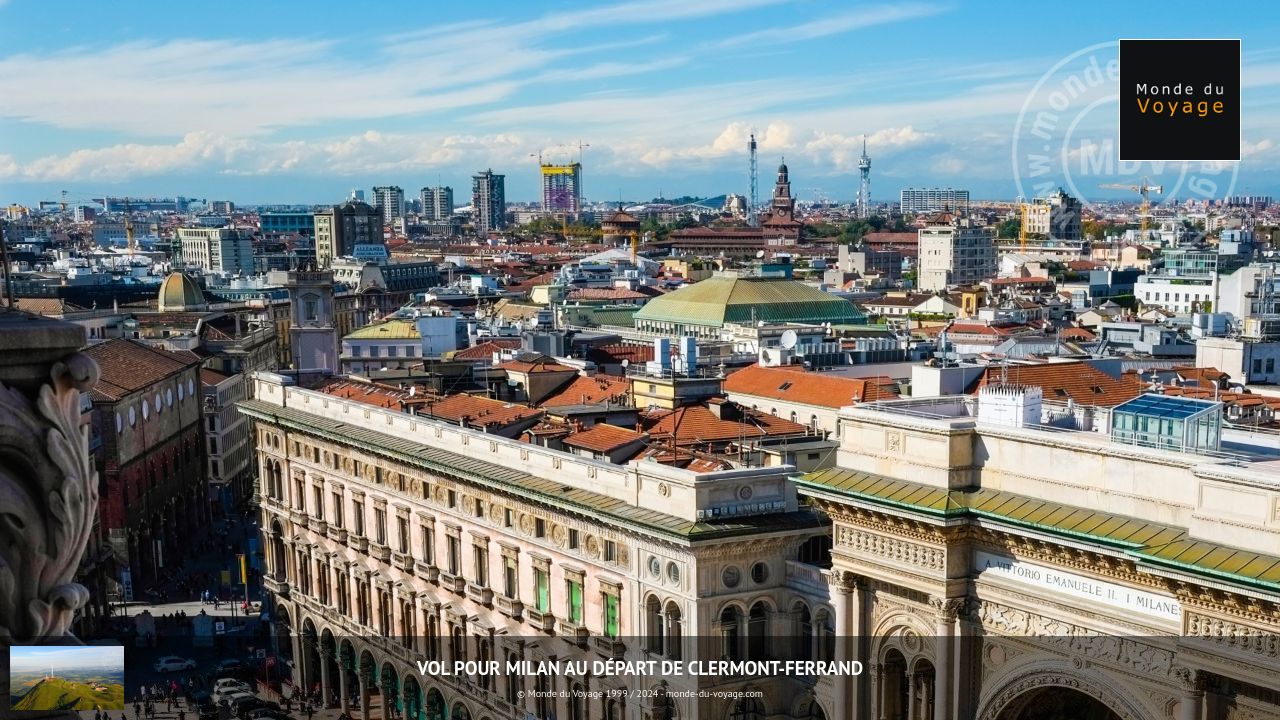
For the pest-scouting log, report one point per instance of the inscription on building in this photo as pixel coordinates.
(1066, 583)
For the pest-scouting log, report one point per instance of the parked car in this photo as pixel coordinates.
(269, 713)
(173, 663)
(228, 682)
(230, 695)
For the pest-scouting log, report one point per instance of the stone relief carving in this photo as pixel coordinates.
(48, 499)
(1232, 635)
(1075, 641)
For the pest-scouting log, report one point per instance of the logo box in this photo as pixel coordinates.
(1180, 100)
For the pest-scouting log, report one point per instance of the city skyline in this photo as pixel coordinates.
(278, 107)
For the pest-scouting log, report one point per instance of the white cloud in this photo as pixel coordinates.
(858, 19)
(231, 87)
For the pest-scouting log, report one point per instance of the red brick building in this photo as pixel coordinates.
(151, 461)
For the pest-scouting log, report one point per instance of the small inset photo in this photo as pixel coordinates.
(62, 677)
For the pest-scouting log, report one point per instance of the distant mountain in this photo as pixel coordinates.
(61, 694)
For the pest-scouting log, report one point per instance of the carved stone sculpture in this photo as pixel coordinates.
(48, 484)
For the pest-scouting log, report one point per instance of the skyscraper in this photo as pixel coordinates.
(437, 202)
(341, 228)
(389, 199)
(489, 201)
(562, 188)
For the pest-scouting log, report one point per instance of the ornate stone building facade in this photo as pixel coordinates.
(1004, 572)
(392, 539)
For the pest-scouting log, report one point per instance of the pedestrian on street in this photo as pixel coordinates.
(97, 714)
(311, 710)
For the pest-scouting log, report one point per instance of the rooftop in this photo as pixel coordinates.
(128, 366)
(808, 388)
(730, 298)
(390, 329)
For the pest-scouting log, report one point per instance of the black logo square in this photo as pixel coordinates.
(1180, 100)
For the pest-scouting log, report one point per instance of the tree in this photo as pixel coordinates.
(1009, 228)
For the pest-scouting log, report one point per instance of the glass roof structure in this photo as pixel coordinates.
(1176, 423)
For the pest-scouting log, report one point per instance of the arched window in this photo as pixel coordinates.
(757, 631)
(794, 417)
(675, 631)
(826, 631)
(803, 631)
(577, 710)
(731, 633)
(655, 624)
(515, 682)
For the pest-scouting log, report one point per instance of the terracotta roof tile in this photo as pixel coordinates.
(478, 412)
(808, 388)
(583, 390)
(698, 425)
(543, 364)
(1078, 381)
(486, 349)
(129, 366)
(365, 392)
(604, 438)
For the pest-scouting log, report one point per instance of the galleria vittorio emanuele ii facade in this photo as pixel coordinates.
(969, 562)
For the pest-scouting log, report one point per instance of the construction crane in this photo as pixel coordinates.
(128, 228)
(1144, 211)
(1022, 227)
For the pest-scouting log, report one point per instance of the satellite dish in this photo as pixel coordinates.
(759, 253)
(626, 363)
(789, 339)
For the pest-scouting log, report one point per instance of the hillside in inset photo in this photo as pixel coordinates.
(66, 678)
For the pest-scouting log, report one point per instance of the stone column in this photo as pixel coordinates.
(364, 693)
(944, 667)
(299, 657)
(879, 671)
(1191, 704)
(840, 590)
(913, 697)
(344, 692)
(324, 673)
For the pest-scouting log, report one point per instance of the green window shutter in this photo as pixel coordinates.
(611, 615)
(544, 591)
(575, 603)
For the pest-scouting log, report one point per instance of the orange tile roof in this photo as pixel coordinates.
(1060, 382)
(808, 388)
(128, 366)
(211, 377)
(1076, 333)
(543, 364)
(604, 438)
(486, 349)
(583, 390)
(479, 412)
(697, 425)
(368, 393)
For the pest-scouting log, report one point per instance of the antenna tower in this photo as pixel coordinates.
(864, 188)
(754, 201)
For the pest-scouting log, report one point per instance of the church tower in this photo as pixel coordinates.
(312, 332)
(783, 208)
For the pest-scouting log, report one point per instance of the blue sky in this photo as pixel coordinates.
(301, 101)
(88, 656)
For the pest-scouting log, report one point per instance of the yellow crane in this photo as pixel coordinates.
(128, 228)
(1144, 211)
(1022, 227)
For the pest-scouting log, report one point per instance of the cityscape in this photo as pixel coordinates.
(561, 410)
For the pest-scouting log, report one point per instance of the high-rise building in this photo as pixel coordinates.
(389, 200)
(562, 188)
(489, 201)
(340, 229)
(923, 200)
(222, 207)
(437, 202)
(955, 250)
(220, 249)
(1055, 218)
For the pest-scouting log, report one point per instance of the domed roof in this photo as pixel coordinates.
(731, 298)
(180, 293)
